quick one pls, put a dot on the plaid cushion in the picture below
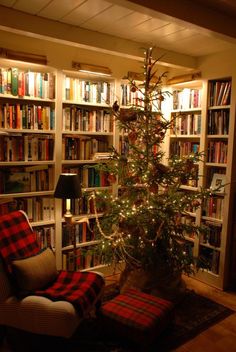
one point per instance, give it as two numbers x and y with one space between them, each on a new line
17 239
137 315
82 289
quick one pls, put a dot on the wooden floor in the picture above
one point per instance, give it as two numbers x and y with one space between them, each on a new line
221 337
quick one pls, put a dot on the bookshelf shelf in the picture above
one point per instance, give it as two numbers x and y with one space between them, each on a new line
87 104
185 136
27 194
26 98
79 245
87 133
219 136
187 110
22 163
217 107
42 223
207 245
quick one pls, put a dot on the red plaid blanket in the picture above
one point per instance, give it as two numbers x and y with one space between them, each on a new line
17 240
82 289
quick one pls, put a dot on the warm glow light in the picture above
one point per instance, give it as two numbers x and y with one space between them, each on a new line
91 69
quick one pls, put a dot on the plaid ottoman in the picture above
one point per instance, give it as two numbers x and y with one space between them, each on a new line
137 316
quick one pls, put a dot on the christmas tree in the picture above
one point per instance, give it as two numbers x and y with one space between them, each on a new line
142 226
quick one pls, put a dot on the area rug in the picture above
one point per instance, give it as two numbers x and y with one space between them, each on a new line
193 315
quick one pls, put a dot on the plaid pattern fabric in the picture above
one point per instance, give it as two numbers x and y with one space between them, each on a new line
138 315
17 239
82 289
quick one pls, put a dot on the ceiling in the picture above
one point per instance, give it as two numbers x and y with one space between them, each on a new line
188 29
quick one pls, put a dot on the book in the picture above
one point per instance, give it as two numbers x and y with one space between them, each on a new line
14 81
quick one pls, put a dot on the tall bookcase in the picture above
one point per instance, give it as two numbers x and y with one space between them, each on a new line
204 121
53 121
27 144
86 132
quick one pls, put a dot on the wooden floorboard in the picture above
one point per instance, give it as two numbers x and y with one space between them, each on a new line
220 337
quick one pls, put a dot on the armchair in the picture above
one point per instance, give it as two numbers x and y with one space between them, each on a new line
62 300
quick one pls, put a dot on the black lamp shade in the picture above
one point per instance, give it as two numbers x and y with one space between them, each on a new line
68 187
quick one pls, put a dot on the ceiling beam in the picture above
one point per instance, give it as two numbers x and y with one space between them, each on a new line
37 27
207 20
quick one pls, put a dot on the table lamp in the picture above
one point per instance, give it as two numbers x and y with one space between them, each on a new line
68 187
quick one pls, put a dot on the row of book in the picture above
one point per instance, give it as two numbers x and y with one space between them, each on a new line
27 83
27 179
77 119
213 234
27 116
210 259
219 93
37 208
90 176
131 96
213 208
85 259
83 206
187 124
181 148
218 122
217 152
26 147
76 148
82 232
45 236
187 98
94 92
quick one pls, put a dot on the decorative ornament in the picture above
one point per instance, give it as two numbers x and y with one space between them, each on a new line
132 136
196 203
133 88
111 178
160 97
153 188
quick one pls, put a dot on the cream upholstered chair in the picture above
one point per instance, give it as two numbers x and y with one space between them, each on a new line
34 313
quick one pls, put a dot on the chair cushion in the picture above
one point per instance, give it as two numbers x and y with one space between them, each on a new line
35 272
137 316
17 239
